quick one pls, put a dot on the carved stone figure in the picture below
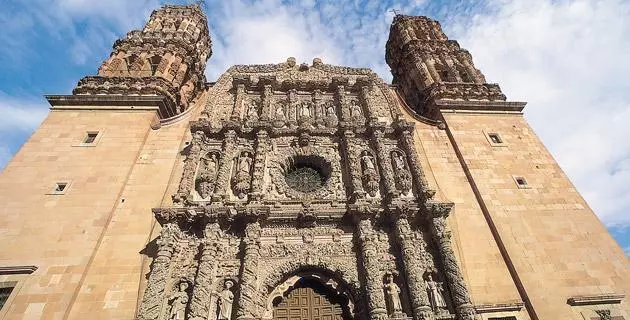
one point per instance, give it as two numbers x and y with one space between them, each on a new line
178 301
330 110
436 295
305 110
225 301
355 110
280 116
185 94
401 173
252 111
242 177
369 176
392 295
207 175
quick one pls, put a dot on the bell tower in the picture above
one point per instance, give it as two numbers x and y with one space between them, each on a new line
429 67
166 58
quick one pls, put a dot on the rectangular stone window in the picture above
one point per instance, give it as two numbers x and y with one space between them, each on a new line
90 137
60 187
495 138
5 293
521 182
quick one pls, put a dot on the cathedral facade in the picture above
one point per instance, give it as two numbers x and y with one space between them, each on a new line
296 191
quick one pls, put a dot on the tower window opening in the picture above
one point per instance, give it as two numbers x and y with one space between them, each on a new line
60 186
155 62
521 182
495 138
444 75
90 137
5 293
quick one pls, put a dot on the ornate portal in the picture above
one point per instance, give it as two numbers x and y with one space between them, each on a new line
302 198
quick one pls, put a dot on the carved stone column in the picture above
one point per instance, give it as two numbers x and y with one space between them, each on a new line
154 294
354 165
190 168
262 141
266 102
249 300
206 272
238 102
341 98
385 164
292 107
442 236
406 140
432 70
365 97
225 165
367 239
411 257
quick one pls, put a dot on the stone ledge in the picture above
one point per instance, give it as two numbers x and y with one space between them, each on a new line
17 270
499 307
595 299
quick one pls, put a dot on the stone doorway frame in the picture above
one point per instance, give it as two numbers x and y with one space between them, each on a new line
338 287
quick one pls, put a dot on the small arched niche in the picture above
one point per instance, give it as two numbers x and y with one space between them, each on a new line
312 295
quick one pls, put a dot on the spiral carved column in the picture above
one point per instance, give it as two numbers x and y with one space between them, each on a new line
206 272
156 286
413 271
367 239
442 236
248 299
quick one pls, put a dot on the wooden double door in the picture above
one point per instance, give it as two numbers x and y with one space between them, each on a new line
307 304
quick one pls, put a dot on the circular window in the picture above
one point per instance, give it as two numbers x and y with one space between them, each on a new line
307 173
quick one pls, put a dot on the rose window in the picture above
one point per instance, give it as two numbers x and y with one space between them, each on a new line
307 173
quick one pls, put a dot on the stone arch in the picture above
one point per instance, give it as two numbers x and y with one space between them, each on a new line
293 273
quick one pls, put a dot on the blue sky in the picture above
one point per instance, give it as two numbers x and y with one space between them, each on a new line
568 59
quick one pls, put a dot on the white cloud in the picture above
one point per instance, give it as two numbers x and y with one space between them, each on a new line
569 61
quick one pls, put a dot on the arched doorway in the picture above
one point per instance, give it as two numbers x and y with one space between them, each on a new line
310 298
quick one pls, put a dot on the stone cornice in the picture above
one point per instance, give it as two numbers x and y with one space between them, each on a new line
17 270
595 299
499 307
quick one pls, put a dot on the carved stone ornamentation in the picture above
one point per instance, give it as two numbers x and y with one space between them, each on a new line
368 239
436 294
242 176
156 286
401 172
178 302
249 298
208 170
452 271
392 294
369 176
225 301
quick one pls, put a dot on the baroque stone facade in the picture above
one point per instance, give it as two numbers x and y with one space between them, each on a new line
297 191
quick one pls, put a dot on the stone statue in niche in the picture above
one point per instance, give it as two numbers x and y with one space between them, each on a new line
436 293
280 116
355 110
241 182
305 110
330 116
369 173
207 174
392 295
402 176
252 111
178 302
225 301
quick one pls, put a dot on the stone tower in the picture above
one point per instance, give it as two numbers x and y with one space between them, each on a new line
429 68
166 58
296 191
